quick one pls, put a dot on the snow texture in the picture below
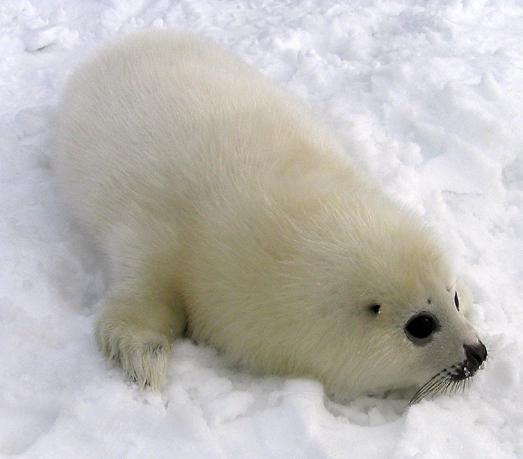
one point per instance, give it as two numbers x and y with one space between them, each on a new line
426 95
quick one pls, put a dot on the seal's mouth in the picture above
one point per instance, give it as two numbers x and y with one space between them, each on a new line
456 377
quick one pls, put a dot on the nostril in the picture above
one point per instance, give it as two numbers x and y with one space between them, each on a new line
482 351
476 353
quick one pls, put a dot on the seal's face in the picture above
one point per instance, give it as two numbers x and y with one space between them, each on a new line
440 350
381 307
421 328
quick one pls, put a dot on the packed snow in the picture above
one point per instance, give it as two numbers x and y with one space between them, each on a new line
426 95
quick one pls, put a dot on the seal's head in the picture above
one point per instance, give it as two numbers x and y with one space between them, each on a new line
412 299
438 349
395 307
423 327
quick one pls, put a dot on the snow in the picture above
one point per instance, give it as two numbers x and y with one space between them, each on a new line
426 95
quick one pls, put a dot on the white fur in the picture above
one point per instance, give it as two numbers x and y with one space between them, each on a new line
222 204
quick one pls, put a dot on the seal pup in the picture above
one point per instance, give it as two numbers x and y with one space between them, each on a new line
225 208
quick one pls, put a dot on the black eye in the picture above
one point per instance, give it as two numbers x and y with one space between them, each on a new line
375 308
456 300
421 327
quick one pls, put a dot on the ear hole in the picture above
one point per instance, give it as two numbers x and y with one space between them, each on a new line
375 308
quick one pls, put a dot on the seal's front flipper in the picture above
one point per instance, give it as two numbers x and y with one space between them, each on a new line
137 332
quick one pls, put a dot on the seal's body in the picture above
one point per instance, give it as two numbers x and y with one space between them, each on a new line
225 208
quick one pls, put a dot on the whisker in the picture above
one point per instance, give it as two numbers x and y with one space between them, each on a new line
451 380
421 393
453 387
441 387
464 384
448 385
429 387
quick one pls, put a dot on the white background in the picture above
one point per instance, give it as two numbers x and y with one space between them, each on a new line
426 95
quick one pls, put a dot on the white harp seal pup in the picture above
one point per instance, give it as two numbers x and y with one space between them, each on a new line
228 212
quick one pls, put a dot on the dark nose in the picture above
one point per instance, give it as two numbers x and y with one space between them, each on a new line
476 354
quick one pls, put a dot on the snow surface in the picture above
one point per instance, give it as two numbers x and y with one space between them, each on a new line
426 95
